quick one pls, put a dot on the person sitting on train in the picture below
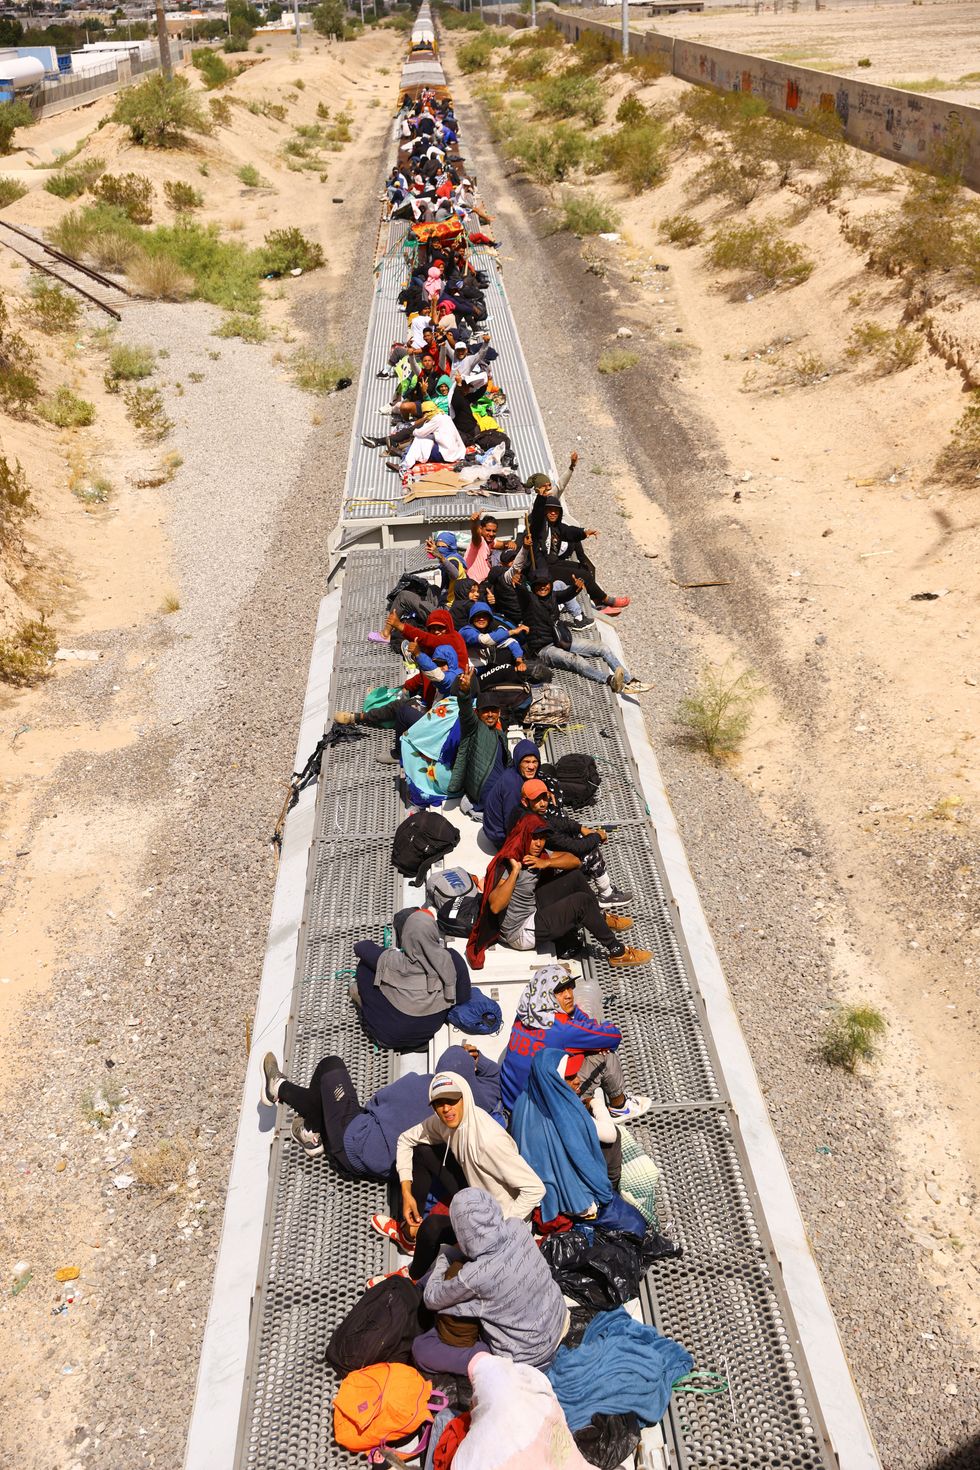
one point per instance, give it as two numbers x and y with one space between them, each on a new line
457 1146
404 994
482 753
565 834
532 897
503 1286
485 631
548 1016
502 804
434 438
557 1134
360 1139
550 640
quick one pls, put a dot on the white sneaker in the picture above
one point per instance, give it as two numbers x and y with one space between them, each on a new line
271 1078
311 1143
633 1108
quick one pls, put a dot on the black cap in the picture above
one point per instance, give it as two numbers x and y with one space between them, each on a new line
540 577
551 502
489 700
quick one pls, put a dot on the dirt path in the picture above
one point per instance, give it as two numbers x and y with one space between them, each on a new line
802 900
140 791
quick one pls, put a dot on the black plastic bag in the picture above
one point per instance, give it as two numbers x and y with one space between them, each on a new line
657 1247
608 1273
565 1249
609 1439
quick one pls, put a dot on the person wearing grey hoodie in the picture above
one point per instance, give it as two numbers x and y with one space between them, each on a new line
504 1283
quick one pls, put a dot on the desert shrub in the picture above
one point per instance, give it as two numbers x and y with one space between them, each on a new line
680 229
585 214
145 411
852 1037
594 50
631 109
550 154
13 115
341 130
328 18
127 364
892 350
66 410
182 197
214 70
15 496
527 66
160 112
68 183
26 656
570 95
738 180
51 308
132 193
320 374
457 20
163 1164
960 459
249 175
717 715
220 110
10 191
248 328
288 250
649 67
721 110
617 360
224 272
638 153
927 232
475 55
542 38
112 248
765 257
19 386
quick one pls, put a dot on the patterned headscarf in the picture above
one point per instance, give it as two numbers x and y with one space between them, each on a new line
537 1006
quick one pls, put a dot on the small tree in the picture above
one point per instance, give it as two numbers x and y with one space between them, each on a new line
13 115
328 18
160 111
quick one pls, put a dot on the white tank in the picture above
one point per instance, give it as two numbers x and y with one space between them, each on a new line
21 72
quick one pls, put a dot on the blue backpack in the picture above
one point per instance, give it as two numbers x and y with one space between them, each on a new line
479 1016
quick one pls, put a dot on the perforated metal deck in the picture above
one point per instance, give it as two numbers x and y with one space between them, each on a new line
724 1300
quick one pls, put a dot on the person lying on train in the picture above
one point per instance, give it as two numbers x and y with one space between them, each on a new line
550 639
533 897
548 1016
360 1139
458 1145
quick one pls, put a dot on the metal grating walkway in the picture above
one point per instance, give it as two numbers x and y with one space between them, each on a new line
724 1300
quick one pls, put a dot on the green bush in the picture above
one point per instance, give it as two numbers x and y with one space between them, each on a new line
550 154
328 18
680 229
959 462
132 193
288 250
852 1037
250 177
160 112
51 308
15 497
220 110
596 50
631 110
127 364
736 180
26 657
638 153
19 386
475 55
893 351
318 374
248 328
182 197
717 716
543 38
766 258
617 360
214 70
13 115
527 66
68 183
570 95
145 411
586 214
66 410
10 191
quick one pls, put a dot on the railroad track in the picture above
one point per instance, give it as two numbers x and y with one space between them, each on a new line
70 267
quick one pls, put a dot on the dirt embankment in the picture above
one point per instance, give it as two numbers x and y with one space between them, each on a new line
142 779
745 446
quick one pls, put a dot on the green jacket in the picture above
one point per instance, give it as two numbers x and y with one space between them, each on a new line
482 753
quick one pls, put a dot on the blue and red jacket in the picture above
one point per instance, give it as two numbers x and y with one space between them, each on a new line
575 1034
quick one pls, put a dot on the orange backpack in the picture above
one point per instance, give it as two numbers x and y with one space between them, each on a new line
387 1401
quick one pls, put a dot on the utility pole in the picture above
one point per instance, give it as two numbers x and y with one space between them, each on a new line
299 39
163 41
626 28
534 13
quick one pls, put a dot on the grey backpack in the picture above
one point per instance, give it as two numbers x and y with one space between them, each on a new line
448 885
551 705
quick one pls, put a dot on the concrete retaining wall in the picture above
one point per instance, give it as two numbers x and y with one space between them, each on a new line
905 126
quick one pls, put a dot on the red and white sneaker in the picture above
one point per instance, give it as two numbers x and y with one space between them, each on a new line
386 1276
392 1230
615 602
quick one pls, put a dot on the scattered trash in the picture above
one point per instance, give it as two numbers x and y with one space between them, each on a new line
123 1181
88 655
820 640
624 332
67 1369
928 596
688 585
68 1273
337 201
61 1166
661 267
823 1149
60 1311
22 1275
611 235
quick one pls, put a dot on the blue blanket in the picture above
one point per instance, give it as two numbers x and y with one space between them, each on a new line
428 750
620 1367
556 1136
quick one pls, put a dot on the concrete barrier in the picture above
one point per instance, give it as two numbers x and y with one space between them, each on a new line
905 126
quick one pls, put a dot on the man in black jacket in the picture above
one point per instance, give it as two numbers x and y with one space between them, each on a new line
550 640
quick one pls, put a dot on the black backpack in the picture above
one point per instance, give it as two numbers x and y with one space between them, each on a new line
417 583
379 1328
579 779
457 916
419 841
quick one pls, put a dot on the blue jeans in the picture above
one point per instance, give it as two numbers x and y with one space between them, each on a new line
591 660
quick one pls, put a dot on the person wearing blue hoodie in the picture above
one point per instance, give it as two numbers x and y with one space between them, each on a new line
358 1138
503 800
486 633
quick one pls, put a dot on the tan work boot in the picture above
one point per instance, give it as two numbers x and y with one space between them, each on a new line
631 956
618 921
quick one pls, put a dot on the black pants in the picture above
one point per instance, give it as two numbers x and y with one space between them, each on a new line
565 904
327 1106
447 1178
567 570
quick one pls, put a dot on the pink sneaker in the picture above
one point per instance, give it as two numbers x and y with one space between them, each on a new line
386 1276
392 1230
617 602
